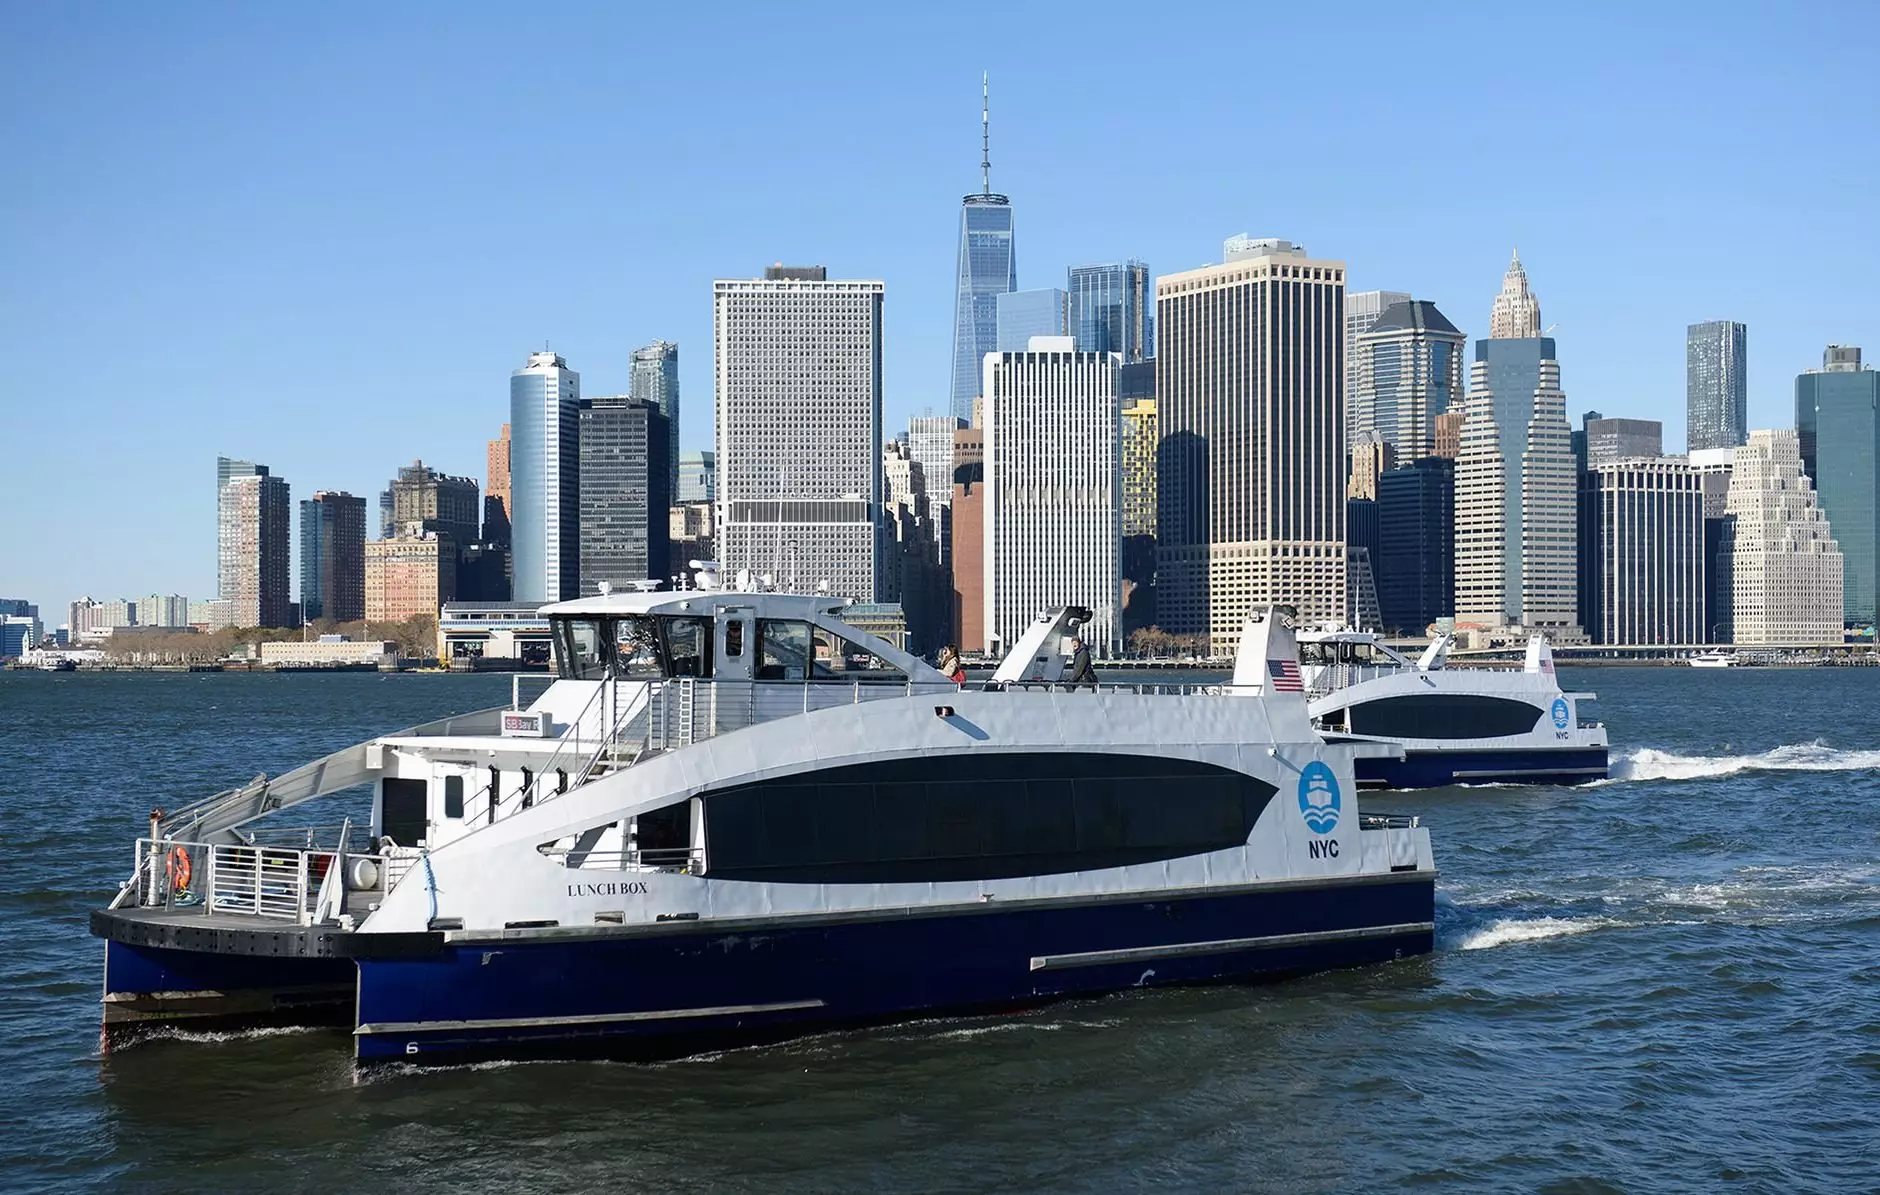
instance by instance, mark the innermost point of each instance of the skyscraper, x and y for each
(333, 557)
(1716, 384)
(225, 468)
(1645, 523)
(1778, 559)
(1516, 501)
(798, 370)
(427, 500)
(1609, 440)
(1136, 456)
(698, 474)
(1053, 530)
(253, 549)
(625, 505)
(1020, 315)
(987, 268)
(1362, 307)
(1112, 309)
(656, 380)
(1408, 371)
(930, 445)
(1416, 557)
(496, 504)
(1837, 421)
(545, 479)
(1251, 469)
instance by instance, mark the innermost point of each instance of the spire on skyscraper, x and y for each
(1517, 314)
(985, 133)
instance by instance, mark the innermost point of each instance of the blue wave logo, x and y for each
(1318, 798)
(1560, 713)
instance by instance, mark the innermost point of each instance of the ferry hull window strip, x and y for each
(978, 816)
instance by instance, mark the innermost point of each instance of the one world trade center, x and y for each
(988, 268)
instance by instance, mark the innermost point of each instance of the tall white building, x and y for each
(930, 442)
(545, 480)
(1516, 478)
(1778, 557)
(798, 370)
(1053, 510)
(1249, 383)
(1645, 524)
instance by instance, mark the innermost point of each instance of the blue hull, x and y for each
(153, 985)
(665, 990)
(1437, 769)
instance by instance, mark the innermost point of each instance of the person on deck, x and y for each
(1080, 674)
(949, 663)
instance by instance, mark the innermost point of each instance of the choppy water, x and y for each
(1669, 981)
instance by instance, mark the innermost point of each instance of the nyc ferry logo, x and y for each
(1318, 797)
(1560, 713)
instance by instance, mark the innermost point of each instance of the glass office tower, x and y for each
(1837, 419)
(1112, 309)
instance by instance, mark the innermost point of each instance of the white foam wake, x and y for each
(1509, 930)
(1646, 763)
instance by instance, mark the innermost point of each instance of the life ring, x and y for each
(176, 866)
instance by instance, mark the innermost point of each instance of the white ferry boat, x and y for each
(1713, 659)
(1456, 726)
(732, 817)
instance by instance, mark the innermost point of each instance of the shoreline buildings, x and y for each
(626, 507)
(987, 267)
(798, 373)
(1516, 484)
(1642, 528)
(1716, 385)
(1778, 561)
(1249, 388)
(333, 557)
(1052, 515)
(545, 480)
(1837, 422)
(252, 548)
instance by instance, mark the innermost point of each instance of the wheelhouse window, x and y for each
(638, 647)
(793, 651)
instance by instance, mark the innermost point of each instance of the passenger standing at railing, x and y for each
(1081, 674)
(949, 663)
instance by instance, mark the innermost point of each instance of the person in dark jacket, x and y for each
(1080, 675)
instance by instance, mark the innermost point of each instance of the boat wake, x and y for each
(1647, 763)
(1508, 931)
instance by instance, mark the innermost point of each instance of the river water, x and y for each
(1668, 981)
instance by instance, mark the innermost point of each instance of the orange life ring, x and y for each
(176, 866)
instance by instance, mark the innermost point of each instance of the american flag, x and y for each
(1285, 676)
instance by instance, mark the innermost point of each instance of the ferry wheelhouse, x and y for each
(731, 816)
(1455, 725)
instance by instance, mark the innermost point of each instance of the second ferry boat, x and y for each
(1455, 725)
(733, 817)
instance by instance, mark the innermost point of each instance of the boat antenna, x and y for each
(985, 132)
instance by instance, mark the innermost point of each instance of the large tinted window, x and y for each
(977, 816)
(1444, 716)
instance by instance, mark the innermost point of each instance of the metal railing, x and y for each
(1388, 821)
(281, 883)
(674, 859)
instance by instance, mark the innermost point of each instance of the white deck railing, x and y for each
(280, 883)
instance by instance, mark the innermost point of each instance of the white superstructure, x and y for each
(1053, 514)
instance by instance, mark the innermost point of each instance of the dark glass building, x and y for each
(625, 499)
(333, 557)
(1837, 420)
(1416, 544)
(1716, 384)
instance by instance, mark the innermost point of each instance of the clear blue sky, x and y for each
(321, 236)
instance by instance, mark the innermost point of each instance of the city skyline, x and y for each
(1633, 251)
